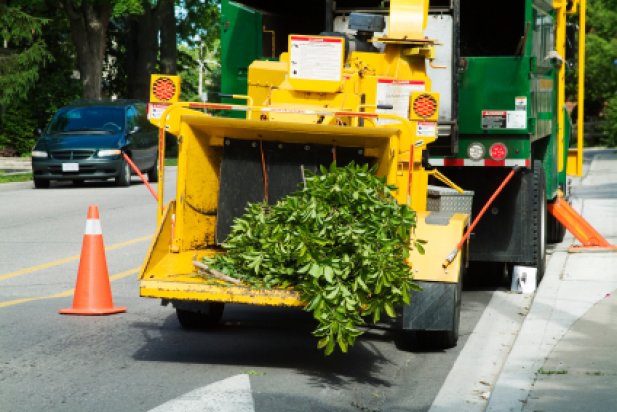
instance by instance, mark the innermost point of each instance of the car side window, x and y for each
(132, 119)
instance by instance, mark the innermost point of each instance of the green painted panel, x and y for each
(241, 44)
(492, 84)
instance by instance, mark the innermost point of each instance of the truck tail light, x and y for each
(498, 151)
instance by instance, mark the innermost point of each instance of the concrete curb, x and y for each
(15, 163)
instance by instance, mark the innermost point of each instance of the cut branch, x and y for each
(202, 268)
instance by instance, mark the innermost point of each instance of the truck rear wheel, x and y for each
(207, 317)
(555, 231)
(539, 217)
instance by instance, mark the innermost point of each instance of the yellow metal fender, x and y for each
(442, 233)
(171, 275)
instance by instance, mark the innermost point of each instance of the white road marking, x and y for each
(228, 395)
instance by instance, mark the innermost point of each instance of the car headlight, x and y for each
(39, 153)
(476, 151)
(108, 152)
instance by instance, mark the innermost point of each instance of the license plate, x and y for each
(70, 167)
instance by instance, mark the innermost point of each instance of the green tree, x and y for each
(140, 45)
(89, 21)
(601, 67)
(23, 52)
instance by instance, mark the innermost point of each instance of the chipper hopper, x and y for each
(322, 101)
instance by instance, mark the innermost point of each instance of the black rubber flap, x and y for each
(242, 177)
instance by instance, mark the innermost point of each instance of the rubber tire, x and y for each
(153, 173)
(209, 317)
(539, 215)
(555, 231)
(124, 178)
(41, 183)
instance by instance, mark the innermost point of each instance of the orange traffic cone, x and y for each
(93, 291)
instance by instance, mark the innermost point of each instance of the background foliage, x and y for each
(36, 33)
(601, 66)
(39, 71)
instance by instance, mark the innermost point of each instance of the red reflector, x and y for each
(498, 151)
(164, 88)
(424, 105)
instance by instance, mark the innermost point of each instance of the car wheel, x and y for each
(124, 178)
(41, 184)
(153, 173)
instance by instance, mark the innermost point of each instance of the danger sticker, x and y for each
(504, 119)
(494, 119)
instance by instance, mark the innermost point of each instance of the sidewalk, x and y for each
(565, 355)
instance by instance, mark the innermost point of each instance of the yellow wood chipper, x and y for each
(358, 96)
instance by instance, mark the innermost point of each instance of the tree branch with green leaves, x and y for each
(342, 242)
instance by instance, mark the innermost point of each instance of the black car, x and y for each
(86, 142)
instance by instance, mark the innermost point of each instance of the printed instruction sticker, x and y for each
(396, 93)
(155, 110)
(517, 120)
(316, 58)
(426, 129)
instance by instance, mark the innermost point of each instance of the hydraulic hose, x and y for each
(450, 258)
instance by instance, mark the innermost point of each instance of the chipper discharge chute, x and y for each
(323, 100)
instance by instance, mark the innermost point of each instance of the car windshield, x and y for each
(75, 119)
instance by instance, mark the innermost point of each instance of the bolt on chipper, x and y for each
(330, 96)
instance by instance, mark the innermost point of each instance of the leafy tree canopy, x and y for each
(23, 54)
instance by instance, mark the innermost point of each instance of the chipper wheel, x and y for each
(206, 316)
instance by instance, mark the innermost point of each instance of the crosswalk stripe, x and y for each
(228, 395)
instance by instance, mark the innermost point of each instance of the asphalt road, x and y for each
(141, 359)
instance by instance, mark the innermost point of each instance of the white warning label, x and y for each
(395, 93)
(426, 129)
(516, 120)
(316, 58)
(155, 110)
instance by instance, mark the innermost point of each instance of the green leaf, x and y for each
(389, 309)
(328, 274)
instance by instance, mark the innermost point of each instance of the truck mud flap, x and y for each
(431, 321)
